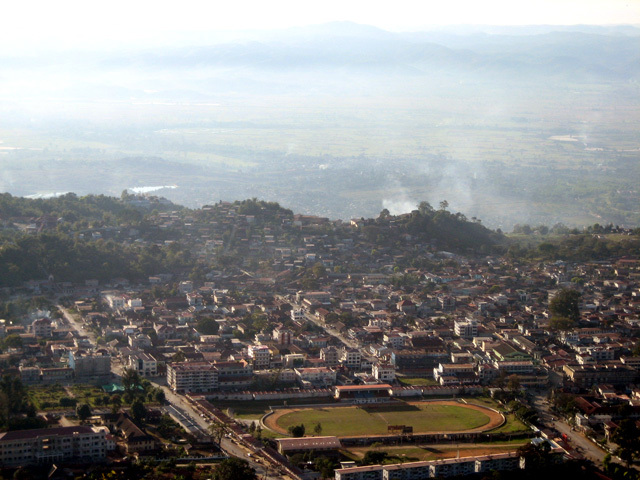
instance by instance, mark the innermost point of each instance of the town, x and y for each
(282, 339)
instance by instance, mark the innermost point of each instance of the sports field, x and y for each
(424, 417)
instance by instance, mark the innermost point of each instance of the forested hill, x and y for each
(70, 208)
(447, 230)
(77, 238)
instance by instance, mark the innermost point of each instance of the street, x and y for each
(582, 445)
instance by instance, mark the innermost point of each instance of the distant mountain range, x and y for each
(599, 52)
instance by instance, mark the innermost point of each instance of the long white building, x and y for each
(45, 446)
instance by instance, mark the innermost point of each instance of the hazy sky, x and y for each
(41, 23)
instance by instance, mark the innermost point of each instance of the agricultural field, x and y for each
(424, 417)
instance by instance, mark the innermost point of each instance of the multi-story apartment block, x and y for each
(84, 444)
(467, 328)
(260, 356)
(42, 328)
(234, 374)
(115, 302)
(383, 372)
(282, 336)
(585, 376)
(143, 363)
(90, 364)
(351, 358)
(330, 356)
(393, 340)
(192, 377)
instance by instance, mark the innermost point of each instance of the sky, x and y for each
(29, 24)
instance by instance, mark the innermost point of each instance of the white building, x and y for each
(316, 376)
(260, 356)
(192, 377)
(83, 444)
(351, 358)
(467, 328)
(143, 363)
(297, 315)
(134, 302)
(383, 372)
(115, 302)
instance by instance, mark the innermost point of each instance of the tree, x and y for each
(234, 469)
(513, 383)
(116, 403)
(325, 466)
(138, 410)
(319, 270)
(444, 205)
(627, 437)
(297, 430)
(217, 431)
(565, 303)
(317, 429)
(83, 411)
(537, 457)
(561, 324)
(207, 326)
(159, 396)
(374, 457)
(131, 381)
(13, 341)
(425, 208)
(178, 357)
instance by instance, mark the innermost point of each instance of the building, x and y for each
(234, 375)
(585, 376)
(297, 315)
(393, 340)
(368, 472)
(330, 356)
(351, 358)
(363, 393)
(135, 440)
(81, 444)
(30, 375)
(260, 356)
(192, 377)
(90, 364)
(282, 336)
(462, 372)
(290, 446)
(115, 302)
(42, 328)
(315, 376)
(466, 328)
(443, 468)
(146, 365)
(383, 372)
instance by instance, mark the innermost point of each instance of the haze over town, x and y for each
(379, 108)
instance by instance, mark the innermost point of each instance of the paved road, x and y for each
(580, 444)
(77, 325)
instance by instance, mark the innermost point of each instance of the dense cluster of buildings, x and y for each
(318, 306)
(462, 320)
